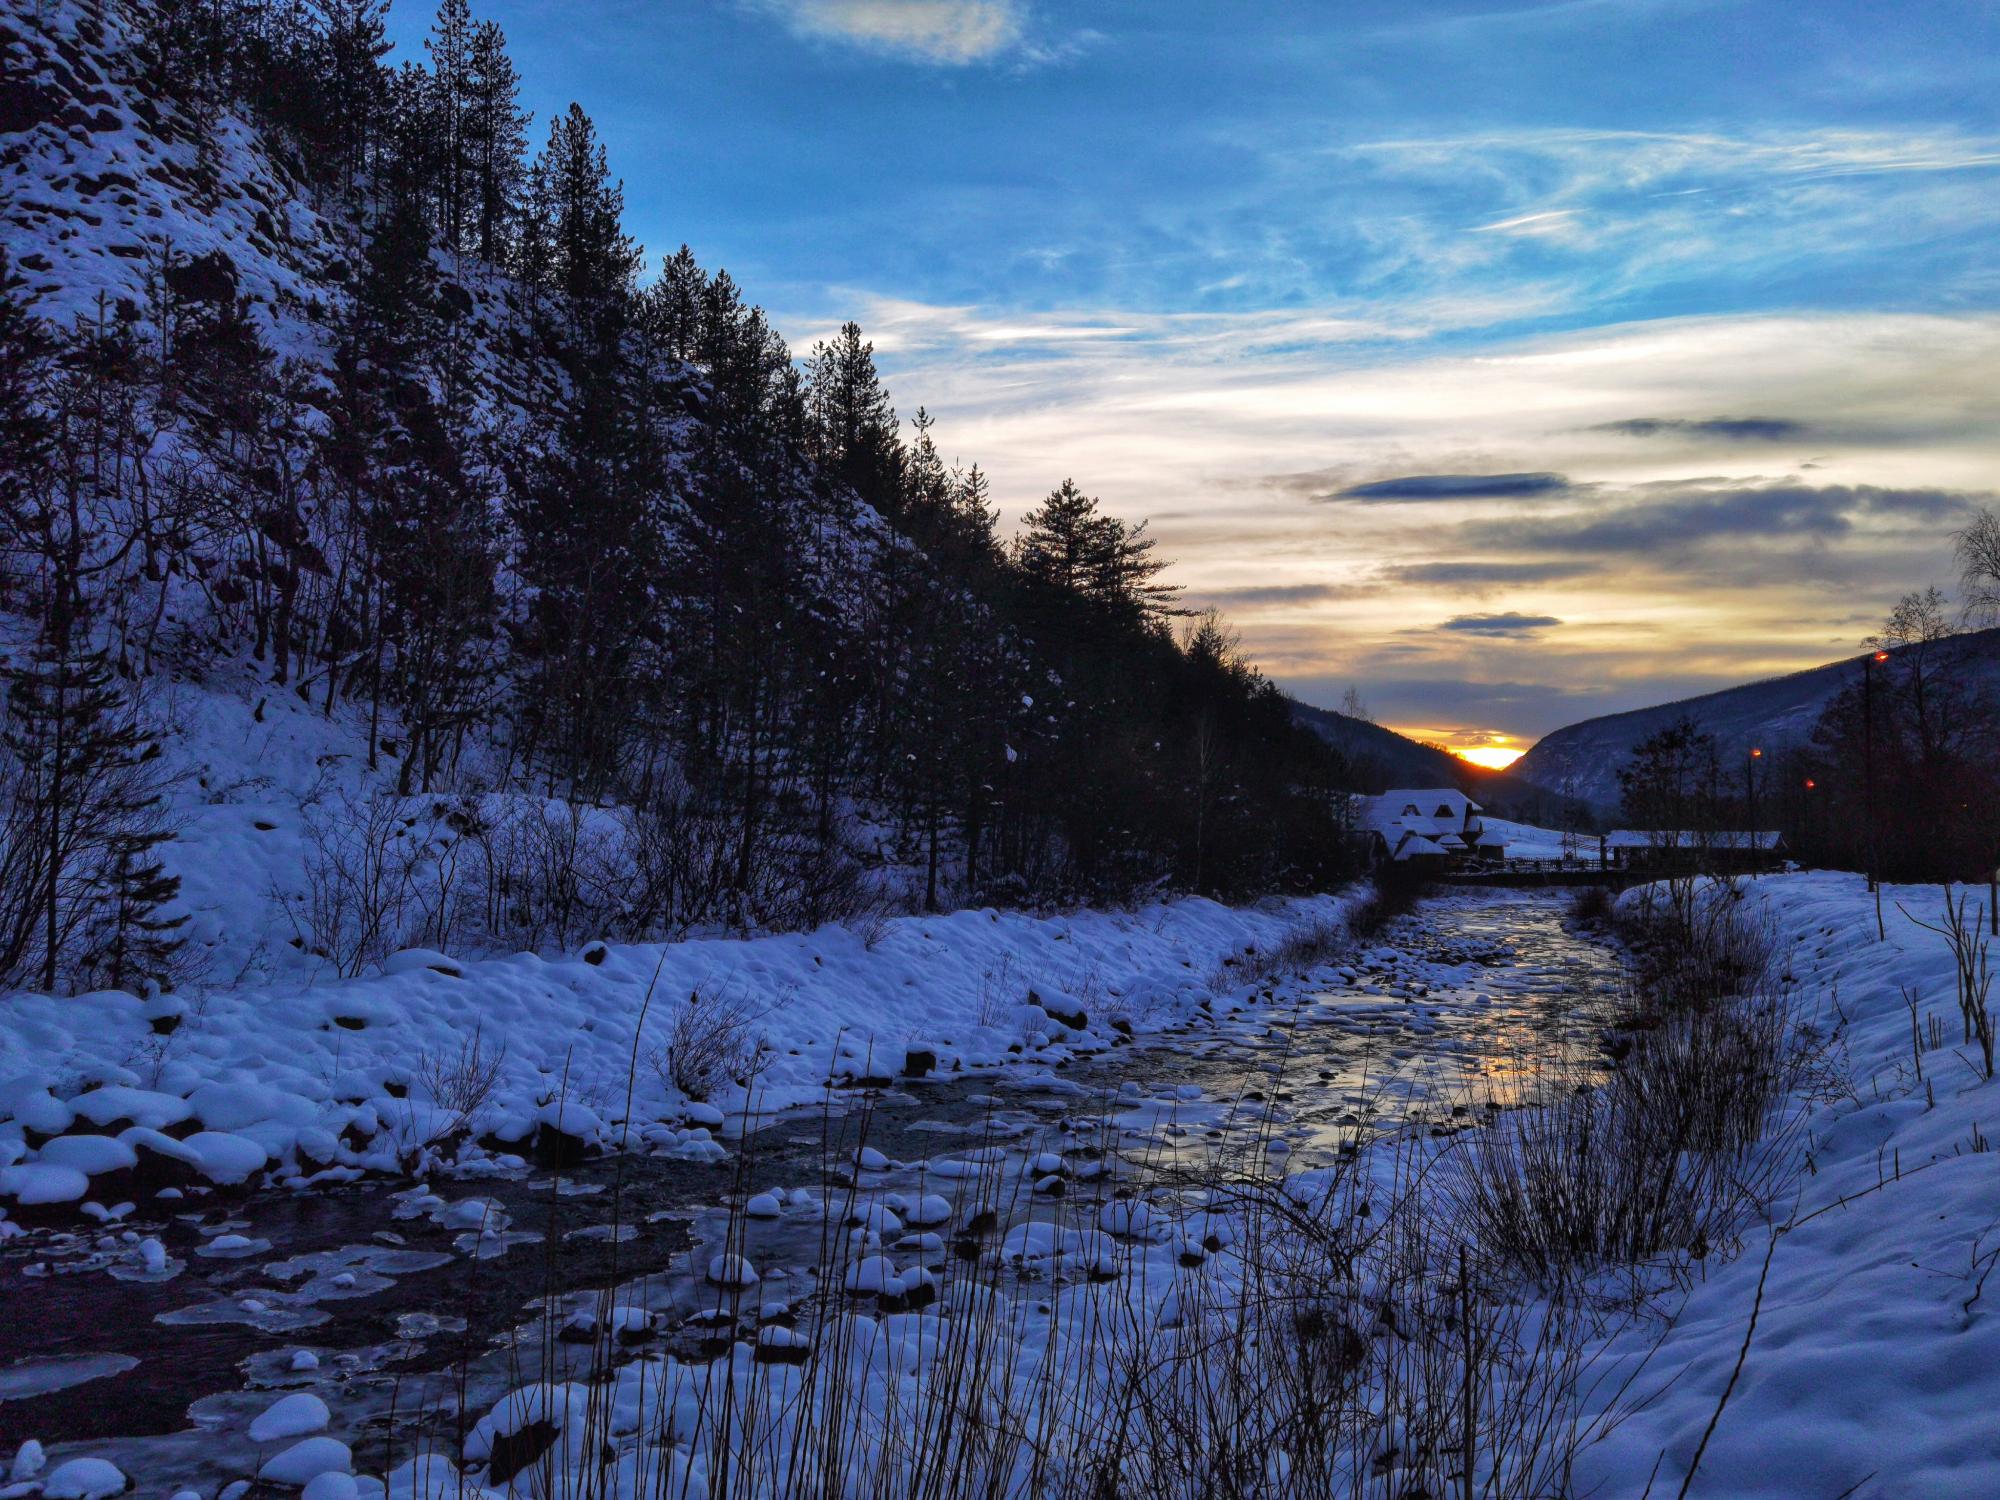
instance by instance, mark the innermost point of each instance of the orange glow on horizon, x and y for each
(1492, 757)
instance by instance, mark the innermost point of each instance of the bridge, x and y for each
(1616, 876)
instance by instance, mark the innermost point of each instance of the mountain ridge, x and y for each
(1771, 713)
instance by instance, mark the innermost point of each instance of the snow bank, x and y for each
(1875, 1363)
(297, 1079)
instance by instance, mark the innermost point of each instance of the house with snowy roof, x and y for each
(1437, 826)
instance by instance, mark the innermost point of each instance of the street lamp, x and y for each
(1750, 781)
(1868, 664)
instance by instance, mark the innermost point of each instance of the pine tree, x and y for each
(588, 257)
(451, 107)
(27, 435)
(1063, 542)
(853, 424)
(671, 308)
(496, 140)
(353, 40)
(84, 888)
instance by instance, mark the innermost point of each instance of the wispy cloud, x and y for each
(949, 32)
(1693, 516)
(1254, 597)
(1486, 577)
(1628, 211)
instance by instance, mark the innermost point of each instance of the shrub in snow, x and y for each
(711, 1041)
(458, 1082)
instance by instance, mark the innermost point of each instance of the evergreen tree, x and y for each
(450, 46)
(853, 424)
(581, 248)
(354, 88)
(495, 141)
(671, 308)
(27, 434)
(84, 888)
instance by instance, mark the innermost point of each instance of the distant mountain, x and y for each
(1381, 758)
(1584, 758)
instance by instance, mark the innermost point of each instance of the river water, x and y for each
(405, 1305)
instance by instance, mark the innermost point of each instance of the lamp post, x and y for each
(1868, 754)
(1750, 780)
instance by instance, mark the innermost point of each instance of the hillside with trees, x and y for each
(322, 392)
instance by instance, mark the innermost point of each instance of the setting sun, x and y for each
(1493, 757)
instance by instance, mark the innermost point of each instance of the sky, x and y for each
(1508, 362)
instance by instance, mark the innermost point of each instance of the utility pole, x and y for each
(1868, 754)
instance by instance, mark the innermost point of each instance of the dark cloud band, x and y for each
(1512, 623)
(1731, 429)
(1456, 487)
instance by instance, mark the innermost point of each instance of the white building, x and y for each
(1437, 825)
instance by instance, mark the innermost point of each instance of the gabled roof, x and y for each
(1431, 811)
(1416, 846)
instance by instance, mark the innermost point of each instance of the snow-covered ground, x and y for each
(1526, 841)
(1874, 1368)
(1869, 1365)
(323, 1081)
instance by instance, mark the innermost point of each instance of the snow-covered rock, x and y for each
(304, 1462)
(289, 1417)
(732, 1271)
(85, 1479)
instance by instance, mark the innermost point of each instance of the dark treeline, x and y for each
(1898, 776)
(1920, 727)
(550, 524)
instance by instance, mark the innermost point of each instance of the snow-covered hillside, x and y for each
(316, 410)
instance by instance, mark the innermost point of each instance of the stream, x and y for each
(401, 1305)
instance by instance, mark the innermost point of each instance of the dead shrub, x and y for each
(1668, 1154)
(713, 1040)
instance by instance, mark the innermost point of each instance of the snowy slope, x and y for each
(1874, 1367)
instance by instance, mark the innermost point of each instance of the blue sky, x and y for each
(1226, 262)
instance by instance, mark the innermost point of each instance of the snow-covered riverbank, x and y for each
(323, 1082)
(1033, 1240)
